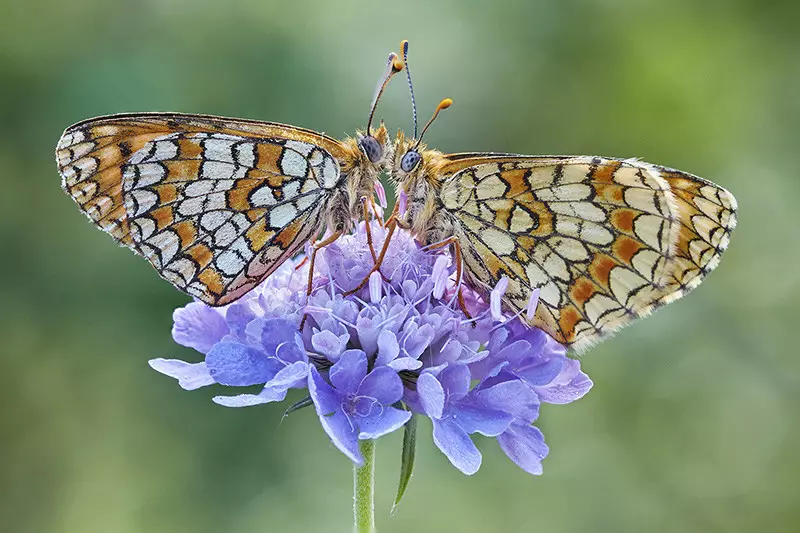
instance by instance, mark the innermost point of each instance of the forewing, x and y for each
(213, 204)
(595, 235)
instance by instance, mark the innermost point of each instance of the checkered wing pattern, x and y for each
(604, 240)
(214, 204)
(707, 215)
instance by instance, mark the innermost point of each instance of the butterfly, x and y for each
(601, 241)
(217, 204)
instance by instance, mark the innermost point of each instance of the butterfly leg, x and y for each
(365, 206)
(301, 263)
(379, 261)
(365, 203)
(459, 267)
(314, 249)
(375, 212)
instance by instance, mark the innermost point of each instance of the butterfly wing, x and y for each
(706, 215)
(604, 240)
(214, 204)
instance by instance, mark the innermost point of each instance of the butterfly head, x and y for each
(407, 159)
(410, 155)
(375, 146)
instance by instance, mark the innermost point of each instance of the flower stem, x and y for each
(364, 489)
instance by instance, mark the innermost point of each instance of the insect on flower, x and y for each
(604, 240)
(217, 204)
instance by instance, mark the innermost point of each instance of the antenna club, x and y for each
(444, 104)
(393, 66)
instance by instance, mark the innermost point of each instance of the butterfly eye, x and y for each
(410, 160)
(371, 148)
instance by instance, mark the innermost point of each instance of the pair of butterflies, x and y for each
(217, 204)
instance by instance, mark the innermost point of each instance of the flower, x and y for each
(356, 405)
(399, 345)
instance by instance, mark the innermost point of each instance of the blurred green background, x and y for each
(692, 424)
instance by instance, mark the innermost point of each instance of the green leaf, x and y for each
(407, 458)
(305, 402)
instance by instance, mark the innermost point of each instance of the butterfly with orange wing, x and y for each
(602, 240)
(217, 204)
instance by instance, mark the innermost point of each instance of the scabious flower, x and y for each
(400, 345)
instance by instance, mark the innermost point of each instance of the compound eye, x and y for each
(410, 160)
(371, 148)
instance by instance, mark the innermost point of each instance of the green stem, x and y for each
(364, 489)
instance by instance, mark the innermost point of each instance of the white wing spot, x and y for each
(282, 215)
(293, 164)
(212, 220)
(168, 242)
(140, 201)
(298, 146)
(262, 197)
(219, 150)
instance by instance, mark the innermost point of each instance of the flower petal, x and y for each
(450, 351)
(198, 326)
(561, 394)
(348, 372)
(238, 315)
(405, 363)
(339, 428)
(418, 340)
(514, 397)
(455, 379)
(381, 423)
(514, 352)
(190, 376)
(456, 445)
(431, 395)
(292, 351)
(343, 434)
(247, 400)
(326, 400)
(277, 331)
(388, 349)
(367, 331)
(479, 419)
(239, 365)
(383, 384)
(329, 344)
(524, 445)
(290, 375)
(540, 373)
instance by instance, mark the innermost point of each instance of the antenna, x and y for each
(444, 104)
(393, 66)
(404, 51)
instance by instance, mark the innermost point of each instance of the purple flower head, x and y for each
(399, 345)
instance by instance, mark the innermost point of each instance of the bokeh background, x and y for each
(693, 421)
